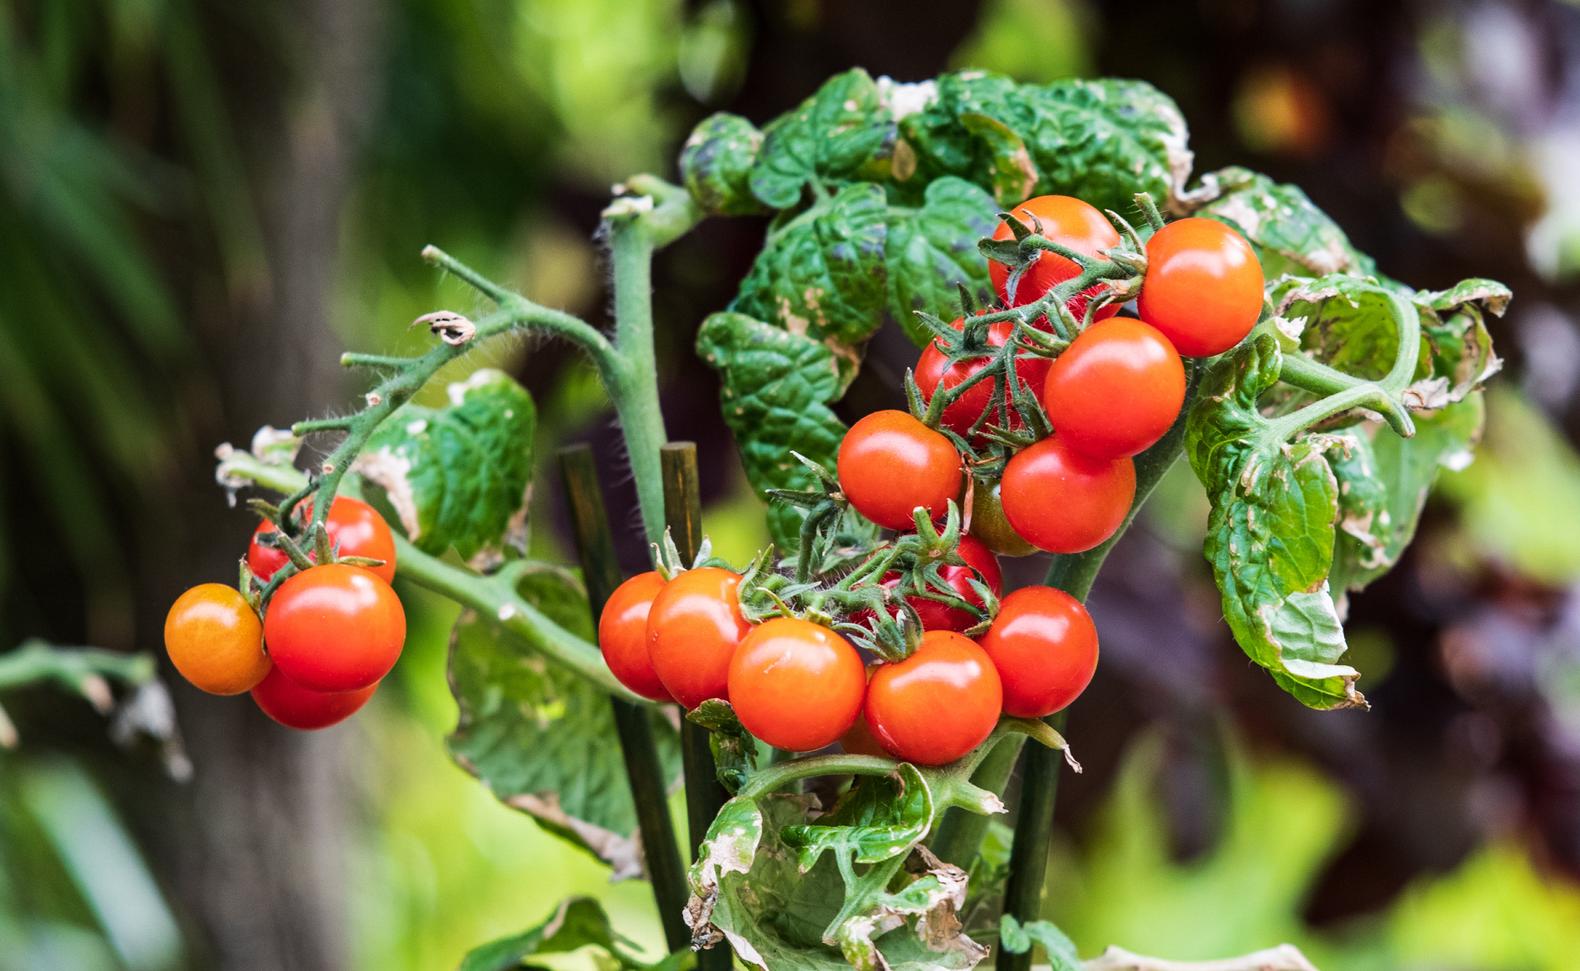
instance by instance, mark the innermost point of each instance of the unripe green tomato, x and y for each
(989, 525)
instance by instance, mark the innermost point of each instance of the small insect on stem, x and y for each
(452, 328)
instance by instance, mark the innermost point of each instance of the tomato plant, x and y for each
(1316, 406)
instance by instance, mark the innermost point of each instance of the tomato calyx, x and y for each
(310, 546)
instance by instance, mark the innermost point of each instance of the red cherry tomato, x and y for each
(989, 525)
(622, 634)
(941, 616)
(216, 640)
(1062, 501)
(1203, 286)
(1116, 389)
(355, 526)
(796, 685)
(933, 368)
(938, 704)
(1074, 224)
(294, 706)
(1044, 645)
(334, 627)
(693, 630)
(890, 463)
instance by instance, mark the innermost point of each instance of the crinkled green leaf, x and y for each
(1384, 481)
(880, 818)
(734, 748)
(459, 475)
(716, 164)
(748, 888)
(931, 250)
(841, 133)
(579, 922)
(540, 737)
(1458, 345)
(1291, 235)
(1102, 141)
(1018, 938)
(1270, 536)
(775, 389)
(822, 274)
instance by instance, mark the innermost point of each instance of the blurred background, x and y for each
(202, 203)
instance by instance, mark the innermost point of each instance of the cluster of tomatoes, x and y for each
(800, 686)
(1111, 393)
(329, 635)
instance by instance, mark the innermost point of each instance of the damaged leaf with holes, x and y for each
(538, 736)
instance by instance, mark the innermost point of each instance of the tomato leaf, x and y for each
(841, 133)
(1270, 536)
(1018, 938)
(716, 164)
(775, 389)
(459, 475)
(577, 923)
(931, 250)
(539, 737)
(734, 748)
(1291, 235)
(878, 819)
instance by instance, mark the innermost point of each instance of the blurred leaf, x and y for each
(579, 922)
(1034, 40)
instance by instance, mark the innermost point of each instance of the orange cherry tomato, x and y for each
(1203, 286)
(622, 635)
(693, 630)
(334, 627)
(890, 463)
(294, 706)
(1044, 645)
(938, 704)
(215, 640)
(796, 685)
(1062, 501)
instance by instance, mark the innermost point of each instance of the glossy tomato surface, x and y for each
(215, 640)
(294, 706)
(1116, 389)
(989, 525)
(1044, 645)
(693, 630)
(334, 627)
(936, 705)
(622, 635)
(354, 526)
(1203, 286)
(1063, 501)
(890, 463)
(1071, 222)
(796, 685)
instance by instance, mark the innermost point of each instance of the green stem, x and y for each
(960, 832)
(781, 774)
(634, 384)
(73, 668)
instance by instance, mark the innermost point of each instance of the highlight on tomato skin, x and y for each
(890, 463)
(796, 685)
(355, 528)
(215, 640)
(1044, 645)
(936, 705)
(693, 628)
(1116, 390)
(1203, 286)
(335, 627)
(622, 635)
(301, 708)
(1062, 501)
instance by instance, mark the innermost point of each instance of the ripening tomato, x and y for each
(334, 627)
(940, 616)
(622, 635)
(294, 706)
(1044, 645)
(1116, 389)
(356, 527)
(1063, 501)
(693, 630)
(215, 640)
(1203, 286)
(989, 525)
(890, 463)
(938, 704)
(1072, 223)
(934, 368)
(796, 685)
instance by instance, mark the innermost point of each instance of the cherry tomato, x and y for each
(1074, 224)
(1203, 286)
(693, 629)
(294, 706)
(354, 525)
(622, 634)
(1044, 645)
(938, 704)
(796, 685)
(1116, 389)
(890, 463)
(215, 640)
(941, 616)
(1062, 501)
(934, 368)
(860, 740)
(989, 525)
(334, 627)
